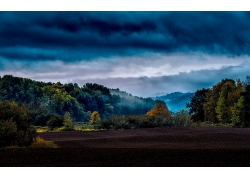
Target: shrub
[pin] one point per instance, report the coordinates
(144, 121)
(55, 121)
(41, 143)
(15, 125)
(8, 133)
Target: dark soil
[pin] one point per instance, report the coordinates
(158, 147)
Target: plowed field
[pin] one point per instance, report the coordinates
(167, 147)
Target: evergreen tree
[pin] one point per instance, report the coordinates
(196, 105)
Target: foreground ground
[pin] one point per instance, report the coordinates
(190, 146)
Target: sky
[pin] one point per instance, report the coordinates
(143, 53)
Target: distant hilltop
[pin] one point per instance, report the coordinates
(175, 101)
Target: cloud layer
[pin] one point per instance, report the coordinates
(142, 52)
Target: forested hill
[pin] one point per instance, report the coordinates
(176, 101)
(47, 99)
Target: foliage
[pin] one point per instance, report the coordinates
(210, 124)
(246, 110)
(241, 109)
(40, 129)
(82, 126)
(238, 112)
(196, 105)
(159, 110)
(48, 99)
(229, 95)
(41, 143)
(15, 125)
(181, 118)
(95, 116)
(125, 104)
(226, 103)
(68, 124)
(8, 133)
(178, 119)
(55, 121)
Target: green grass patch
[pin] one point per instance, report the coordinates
(79, 126)
(210, 124)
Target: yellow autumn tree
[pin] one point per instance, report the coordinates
(159, 110)
(95, 116)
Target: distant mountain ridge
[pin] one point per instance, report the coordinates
(175, 101)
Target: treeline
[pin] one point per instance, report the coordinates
(159, 116)
(227, 101)
(45, 100)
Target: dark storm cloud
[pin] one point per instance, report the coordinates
(144, 53)
(85, 35)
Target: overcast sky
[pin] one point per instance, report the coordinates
(143, 53)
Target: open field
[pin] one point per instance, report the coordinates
(191, 146)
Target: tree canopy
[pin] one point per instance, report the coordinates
(159, 110)
(226, 102)
(15, 125)
(45, 100)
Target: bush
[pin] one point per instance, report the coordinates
(55, 121)
(41, 143)
(15, 125)
(141, 121)
(8, 133)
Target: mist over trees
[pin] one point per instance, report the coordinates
(48, 102)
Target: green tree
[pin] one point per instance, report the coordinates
(212, 97)
(95, 116)
(222, 108)
(196, 105)
(68, 124)
(241, 110)
(229, 95)
(15, 125)
(238, 113)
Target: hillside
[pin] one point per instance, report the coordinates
(175, 101)
(47, 99)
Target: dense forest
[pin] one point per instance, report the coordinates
(44, 100)
(226, 102)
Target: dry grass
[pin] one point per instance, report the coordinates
(41, 143)
(41, 129)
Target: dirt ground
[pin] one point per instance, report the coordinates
(157, 147)
(170, 138)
